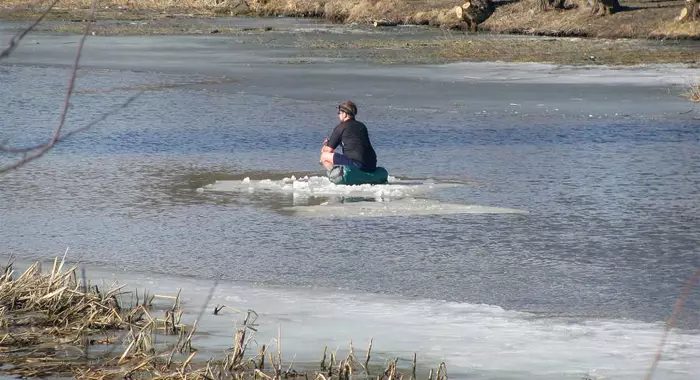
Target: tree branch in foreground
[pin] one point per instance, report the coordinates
(14, 42)
(7, 149)
(28, 157)
(671, 322)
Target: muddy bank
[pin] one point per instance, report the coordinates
(392, 46)
(642, 33)
(636, 18)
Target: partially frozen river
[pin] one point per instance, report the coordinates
(541, 223)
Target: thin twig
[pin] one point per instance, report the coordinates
(672, 320)
(279, 349)
(413, 367)
(69, 92)
(14, 42)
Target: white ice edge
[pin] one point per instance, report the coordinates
(322, 186)
(507, 72)
(397, 198)
(401, 207)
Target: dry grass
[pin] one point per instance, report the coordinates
(638, 18)
(128, 4)
(362, 11)
(50, 320)
(693, 91)
(673, 29)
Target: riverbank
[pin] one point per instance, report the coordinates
(636, 19)
(643, 33)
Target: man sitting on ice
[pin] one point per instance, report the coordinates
(352, 135)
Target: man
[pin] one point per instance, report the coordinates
(352, 135)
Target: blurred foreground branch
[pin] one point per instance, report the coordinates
(14, 42)
(40, 150)
(671, 322)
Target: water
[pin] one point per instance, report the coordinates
(601, 165)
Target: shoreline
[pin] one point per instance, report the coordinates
(642, 32)
(636, 19)
(396, 46)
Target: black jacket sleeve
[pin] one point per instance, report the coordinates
(336, 137)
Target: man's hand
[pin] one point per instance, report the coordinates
(326, 148)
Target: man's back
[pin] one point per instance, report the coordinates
(357, 145)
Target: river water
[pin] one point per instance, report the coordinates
(553, 225)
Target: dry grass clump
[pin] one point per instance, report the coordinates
(50, 321)
(524, 17)
(693, 91)
(56, 299)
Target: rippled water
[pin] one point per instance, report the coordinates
(609, 177)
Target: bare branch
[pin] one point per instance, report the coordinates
(69, 92)
(671, 321)
(7, 149)
(14, 42)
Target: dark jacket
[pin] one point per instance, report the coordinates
(352, 135)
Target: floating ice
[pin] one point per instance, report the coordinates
(400, 207)
(396, 198)
(322, 186)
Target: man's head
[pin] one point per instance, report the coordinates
(347, 110)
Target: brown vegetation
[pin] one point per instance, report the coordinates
(629, 18)
(693, 91)
(52, 323)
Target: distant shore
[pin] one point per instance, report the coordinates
(643, 32)
(637, 18)
(383, 48)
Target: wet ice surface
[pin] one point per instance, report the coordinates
(397, 198)
(402, 207)
(601, 164)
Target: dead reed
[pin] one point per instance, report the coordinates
(692, 91)
(54, 323)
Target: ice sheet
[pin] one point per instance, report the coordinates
(401, 207)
